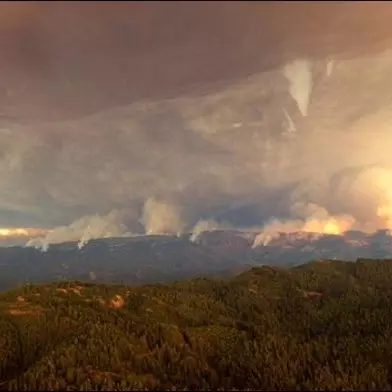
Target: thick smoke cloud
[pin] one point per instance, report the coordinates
(63, 60)
(164, 165)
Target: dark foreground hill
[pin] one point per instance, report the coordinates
(323, 325)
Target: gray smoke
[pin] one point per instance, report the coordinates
(239, 153)
(161, 217)
(83, 230)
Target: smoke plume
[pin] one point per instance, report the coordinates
(314, 219)
(83, 230)
(207, 225)
(299, 76)
(160, 217)
(329, 67)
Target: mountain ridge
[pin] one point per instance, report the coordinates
(148, 259)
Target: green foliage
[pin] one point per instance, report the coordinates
(321, 326)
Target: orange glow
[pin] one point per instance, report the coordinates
(20, 232)
(332, 225)
(332, 228)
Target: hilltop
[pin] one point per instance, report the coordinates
(323, 325)
(164, 258)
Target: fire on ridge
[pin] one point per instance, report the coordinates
(21, 231)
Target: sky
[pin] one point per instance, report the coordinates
(119, 118)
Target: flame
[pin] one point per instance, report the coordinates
(332, 228)
(332, 225)
(327, 224)
(20, 231)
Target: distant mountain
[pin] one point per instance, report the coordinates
(117, 260)
(145, 259)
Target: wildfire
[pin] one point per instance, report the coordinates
(332, 228)
(332, 225)
(20, 232)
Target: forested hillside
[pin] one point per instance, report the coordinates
(323, 325)
(165, 258)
